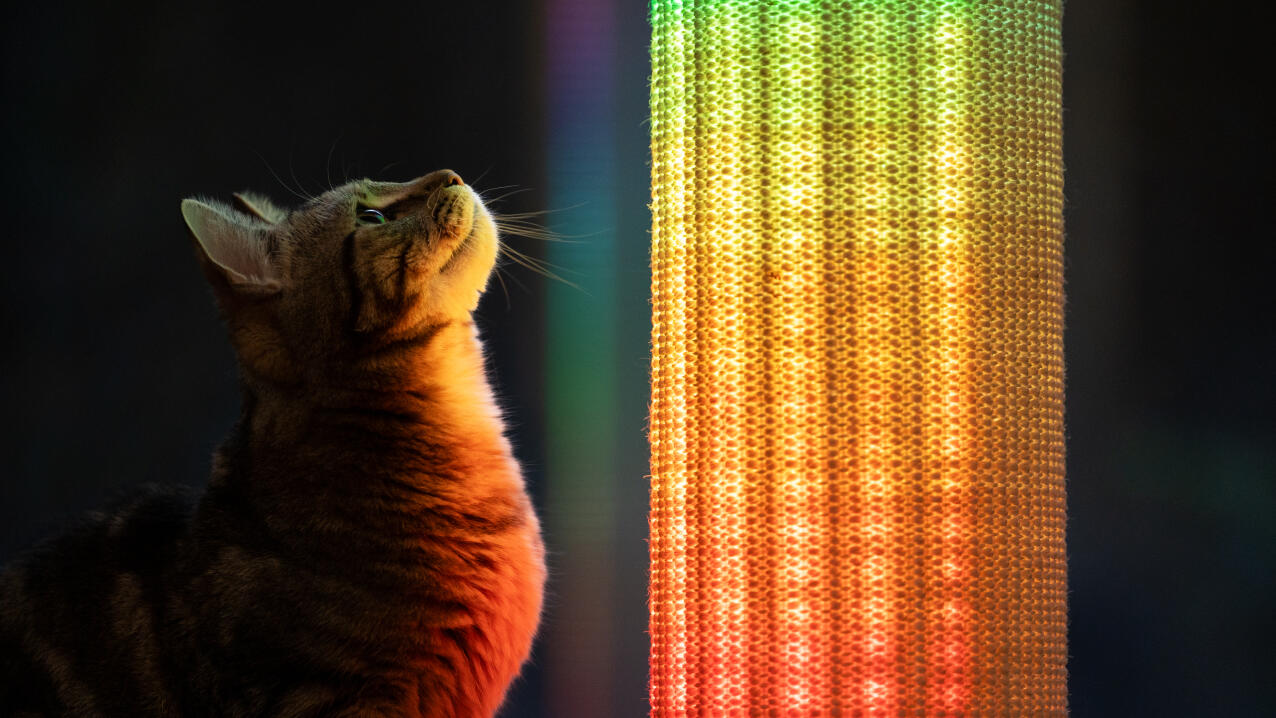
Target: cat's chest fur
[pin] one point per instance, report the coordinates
(392, 555)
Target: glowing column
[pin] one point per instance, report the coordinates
(857, 500)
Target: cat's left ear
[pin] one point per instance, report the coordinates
(234, 244)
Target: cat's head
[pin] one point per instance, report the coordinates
(353, 270)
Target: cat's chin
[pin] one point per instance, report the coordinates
(478, 230)
(463, 277)
(457, 257)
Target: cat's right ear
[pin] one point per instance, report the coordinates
(234, 244)
(260, 207)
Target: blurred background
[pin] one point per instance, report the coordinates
(117, 372)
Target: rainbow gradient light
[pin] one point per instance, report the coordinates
(857, 501)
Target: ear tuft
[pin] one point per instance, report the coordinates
(234, 243)
(260, 207)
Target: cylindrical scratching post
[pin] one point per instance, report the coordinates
(857, 498)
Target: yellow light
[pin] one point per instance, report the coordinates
(857, 461)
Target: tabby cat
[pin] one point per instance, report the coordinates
(365, 547)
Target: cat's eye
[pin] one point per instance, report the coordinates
(367, 215)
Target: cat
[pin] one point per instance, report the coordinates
(366, 545)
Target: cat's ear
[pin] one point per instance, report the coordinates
(234, 244)
(260, 207)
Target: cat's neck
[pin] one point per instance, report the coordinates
(352, 472)
(428, 384)
(427, 417)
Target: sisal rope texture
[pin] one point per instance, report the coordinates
(857, 502)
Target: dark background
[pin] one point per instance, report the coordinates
(116, 371)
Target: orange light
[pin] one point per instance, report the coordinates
(857, 498)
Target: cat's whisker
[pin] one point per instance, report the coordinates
(389, 166)
(534, 260)
(540, 212)
(483, 193)
(481, 176)
(279, 179)
(327, 166)
(531, 231)
(523, 216)
(292, 170)
(508, 304)
(522, 224)
(538, 266)
(432, 202)
(512, 277)
(507, 195)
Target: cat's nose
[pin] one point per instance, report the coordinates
(437, 180)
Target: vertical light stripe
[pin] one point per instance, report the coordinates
(669, 433)
(582, 402)
(797, 392)
(872, 326)
(729, 266)
(948, 398)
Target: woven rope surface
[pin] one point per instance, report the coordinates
(857, 501)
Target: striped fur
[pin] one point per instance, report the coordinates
(365, 547)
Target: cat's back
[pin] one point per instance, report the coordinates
(89, 605)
